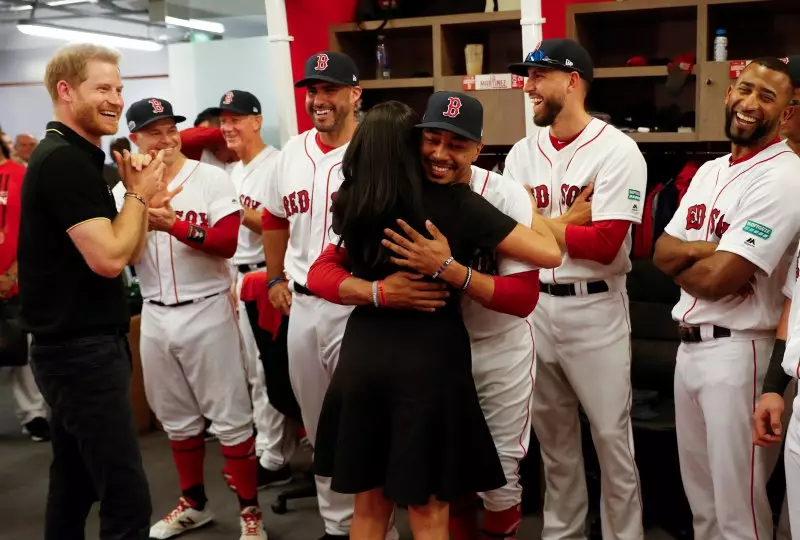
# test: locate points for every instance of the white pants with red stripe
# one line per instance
(503, 368)
(717, 386)
(583, 357)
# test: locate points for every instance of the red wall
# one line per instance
(308, 22)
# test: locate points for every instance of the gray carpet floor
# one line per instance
(23, 488)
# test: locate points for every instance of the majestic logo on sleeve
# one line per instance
(296, 203)
(453, 107)
(158, 107)
(322, 62)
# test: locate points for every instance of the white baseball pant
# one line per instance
(791, 463)
(316, 328)
(193, 368)
(504, 369)
(583, 357)
(28, 400)
(273, 442)
(717, 386)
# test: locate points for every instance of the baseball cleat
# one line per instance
(269, 479)
(184, 518)
(252, 524)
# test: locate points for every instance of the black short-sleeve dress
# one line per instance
(402, 411)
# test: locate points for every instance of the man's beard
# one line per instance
(754, 137)
(552, 109)
(86, 116)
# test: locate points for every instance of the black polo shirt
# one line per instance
(59, 294)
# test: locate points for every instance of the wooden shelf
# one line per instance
(632, 71)
(466, 18)
(662, 137)
(389, 84)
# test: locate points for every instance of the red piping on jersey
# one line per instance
(628, 412)
(485, 182)
(753, 447)
(172, 264)
(584, 145)
(158, 268)
(528, 408)
(751, 155)
(313, 180)
(541, 150)
(327, 198)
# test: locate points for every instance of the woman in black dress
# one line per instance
(401, 422)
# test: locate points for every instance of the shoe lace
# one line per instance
(252, 523)
(175, 514)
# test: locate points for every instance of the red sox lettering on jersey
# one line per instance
(743, 207)
(600, 154)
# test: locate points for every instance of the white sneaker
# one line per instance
(252, 524)
(183, 518)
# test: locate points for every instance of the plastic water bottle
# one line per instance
(721, 46)
(382, 67)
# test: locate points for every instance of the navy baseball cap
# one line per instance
(330, 67)
(561, 54)
(146, 111)
(239, 102)
(454, 112)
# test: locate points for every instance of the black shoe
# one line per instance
(268, 479)
(327, 536)
(38, 429)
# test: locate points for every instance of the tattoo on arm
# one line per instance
(196, 234)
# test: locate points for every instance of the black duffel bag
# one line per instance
(13, 341)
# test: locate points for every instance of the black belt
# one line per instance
(299, 289)
(185, 302)
(65, 337)
(569, 289)
(691, 334)
(245, 268)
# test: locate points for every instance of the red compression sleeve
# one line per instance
(328, 272)
(516, 294)
(221, 240)
(271, 222)
(599, 242)
(196, 139)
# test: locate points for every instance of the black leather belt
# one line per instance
(299, 289)
(691, 334)
(184, 303)
(569, 289)
(245, 268)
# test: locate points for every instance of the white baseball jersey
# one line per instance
(302, 191)
(744, 207)
(601, 154)
(510, 198)
(792, 275)
(170, 271)
(791, 357)
(251, 182)
(208, 157)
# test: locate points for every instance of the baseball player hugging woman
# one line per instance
(401, 422)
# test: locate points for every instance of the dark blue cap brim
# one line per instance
(521, 68)
(444, 126)
(178, 120)
(308, 81)
(232, 108)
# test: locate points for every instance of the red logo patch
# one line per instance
(322, 62)
(158, 108)
(453, 107)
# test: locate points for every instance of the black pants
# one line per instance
(86, 383)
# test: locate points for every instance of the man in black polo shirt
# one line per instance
(73, 247)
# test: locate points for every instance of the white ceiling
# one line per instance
(242, 18)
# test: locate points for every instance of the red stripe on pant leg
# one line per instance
(753, 447)
(189, 455)
(240, 461)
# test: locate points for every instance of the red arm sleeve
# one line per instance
(195, 140)
(270, 222)
(221, 240)
(516, 294)
(599, 242)
(328, 272)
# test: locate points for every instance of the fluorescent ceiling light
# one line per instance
(54, 3)
(196, 24)
(68, 34)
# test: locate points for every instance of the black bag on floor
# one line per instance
(13, 341)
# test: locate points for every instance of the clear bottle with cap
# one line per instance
(381, 60)
(721, 45)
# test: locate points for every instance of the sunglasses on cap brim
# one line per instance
(541, 59)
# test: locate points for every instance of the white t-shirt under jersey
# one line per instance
(172, 272)
(746, 208)
(510, 198)
(601, 154)
(252, 183)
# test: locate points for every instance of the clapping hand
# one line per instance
(416, 252)
(142, 174)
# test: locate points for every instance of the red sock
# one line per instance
(240, 461)
(464, 518)
(502, 524)
(189, 455)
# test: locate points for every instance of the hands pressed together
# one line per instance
(144, 176)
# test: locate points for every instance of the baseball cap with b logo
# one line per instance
(146, 111)
(330, 67)
(559, 54)
(454, 112)
(239, 102)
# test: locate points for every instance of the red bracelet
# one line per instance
(381, 297)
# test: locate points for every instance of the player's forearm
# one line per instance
(481, 286)
(673, 256)
(705, 280)
(221, 240)
(252, 220)
(275, 243)
(557, 229)
(355, 291)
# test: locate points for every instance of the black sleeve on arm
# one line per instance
(69, 184)
(484, 225)
(776, 380)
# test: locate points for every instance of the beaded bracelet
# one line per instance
(445, 264)
(469, 278)
(375, 294)
(275, 282)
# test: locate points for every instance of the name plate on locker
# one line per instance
(498, 81)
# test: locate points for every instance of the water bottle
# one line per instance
(382, 66)
(721, 46)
